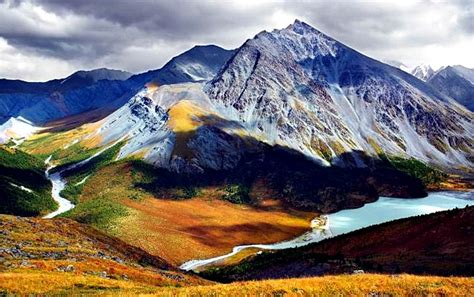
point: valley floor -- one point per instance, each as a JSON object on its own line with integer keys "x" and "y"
{"x": 180, "y": 230}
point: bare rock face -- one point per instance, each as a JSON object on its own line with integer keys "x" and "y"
{"x": 302, "y": 88}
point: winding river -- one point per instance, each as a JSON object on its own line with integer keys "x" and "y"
{"x": 59, "y": 183}
{"x": 383, "y": 210}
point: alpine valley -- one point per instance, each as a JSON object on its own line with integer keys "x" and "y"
{"x": 197, "y": 172}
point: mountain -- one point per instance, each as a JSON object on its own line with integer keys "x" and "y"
{"x": 423, "y": 72}
{"x": 79, "y": 92}
{"x": 85, "y": 78}
{"x": 300, "y": 89}
{"x": 100, "y": 90}
{"x": 434, "y": 244}
{"x": 199, "y": 63}
{"x": 456, "y": 82}
{"x": 398, "y": 64}
{"x": 76, "y": 80}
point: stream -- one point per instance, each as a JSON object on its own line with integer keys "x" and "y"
{"x": 59, "y": 183}
{"x": 383, "y": 210}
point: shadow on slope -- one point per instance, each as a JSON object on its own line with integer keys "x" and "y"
{"x": 292, "y": 177}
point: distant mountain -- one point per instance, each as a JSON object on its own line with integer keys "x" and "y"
{"x": 423, "y": 72}
{"x": 103, "y": 89}
{"x": 456, "y": 82}
{"x": 76, "y": 80}
{"x": 42, "y": 102}
{"x": 197, "y": 64}
{"x": 85, "y": 78}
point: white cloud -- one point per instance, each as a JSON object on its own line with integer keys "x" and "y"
{"x": 16, "y": 65}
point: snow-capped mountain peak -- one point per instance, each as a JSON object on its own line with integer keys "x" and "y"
{"x": 423, "y": 72}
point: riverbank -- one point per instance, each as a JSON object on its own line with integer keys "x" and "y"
{"x": 383, "y": 210}
{"x": 454, "y": 183}
{"x": 319, "y": 230}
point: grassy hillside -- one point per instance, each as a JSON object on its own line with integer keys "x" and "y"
{"x": 76, "y": 177}
{"x": 437, "y": 244}
{"x": 60, "y": 255}
{"x": 24, "y": 189}
{"x": 430, "y": 177}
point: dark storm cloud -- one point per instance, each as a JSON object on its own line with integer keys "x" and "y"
{"x": 139, "y": 35}
{"x": 171, "y": 20}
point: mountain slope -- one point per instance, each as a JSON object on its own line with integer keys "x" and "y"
{"x": 54, "y": 256}
{"x": 436, "y": 244}
{"x": 456, "y": 82}
{"x": 24, "y": 190}
{"x": 63, "y": 257}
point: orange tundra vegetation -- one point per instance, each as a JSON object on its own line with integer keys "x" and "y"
{"x": 340, "y": 285}
{"x": 43, "y": 256}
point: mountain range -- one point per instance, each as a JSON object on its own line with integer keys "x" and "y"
{"x": 455, "y": 81}
{"x": 100, "y": 90}
{"x": 296, "y": 88}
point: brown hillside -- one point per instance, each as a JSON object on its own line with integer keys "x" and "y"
{"x": 437, "y": 244}
{"x": 60, "y": 254}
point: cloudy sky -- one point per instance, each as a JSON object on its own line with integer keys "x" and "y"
{"x": 45, "y": 39}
